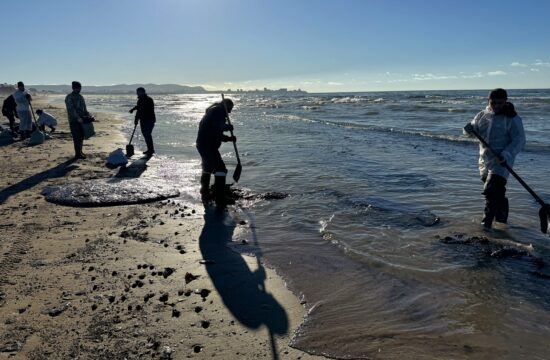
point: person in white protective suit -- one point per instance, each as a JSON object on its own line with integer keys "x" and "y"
{"x": 502, "y": 129}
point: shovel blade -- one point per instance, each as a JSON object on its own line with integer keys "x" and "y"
{"x": 129, "y": 150}
{"x": 544, "y": 216}
{"x": 237, "y": 173}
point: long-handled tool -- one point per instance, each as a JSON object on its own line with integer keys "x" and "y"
{"x": 544, "y": 212}
{"x": 33, "y": 117}
{"x": 239, "y": 168}
{"x": 37, "y": 136}
{"x": 130, "y": 147}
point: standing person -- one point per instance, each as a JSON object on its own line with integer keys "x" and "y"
{"x": 9, "y": 107}
{"x": 502, "y": 128}
{"x": 46, "y": 119}
{"x": 76, "y": 110}
{"x": 23, "y": 100}
{"x": 146, "y": 116}
{"x": 209, "y": 140}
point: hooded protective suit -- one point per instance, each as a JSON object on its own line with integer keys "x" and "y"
{"x": 504, "y": 134}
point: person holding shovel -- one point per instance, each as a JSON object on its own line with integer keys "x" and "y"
{"x": 209, "y": 139}
{"x": 23, "y": 100}
{"x": 145, "y": 115}
{"x": 502, "y": 129}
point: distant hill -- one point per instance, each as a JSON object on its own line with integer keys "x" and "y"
{"x": 6, "y": 89}
{"x": 124, "y": 89}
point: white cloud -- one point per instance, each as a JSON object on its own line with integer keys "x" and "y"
{"x": 518, "y": 64}
{"x": 476, "y": 75}
{"x": 496, "y": 73}
{"x": 332, "y": 83}
{"x": 430, "y": 76}
{"x": 535, "y": 70}
{"x": 397, "y": 81}
{"x": 541, "y": 63}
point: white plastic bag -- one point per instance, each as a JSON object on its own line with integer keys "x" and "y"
{"x": 117, "y": 158}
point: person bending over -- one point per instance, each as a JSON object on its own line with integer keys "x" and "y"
{"x": 209, "y": 139}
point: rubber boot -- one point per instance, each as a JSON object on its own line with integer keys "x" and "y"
{"x": 501, "y": 214}
{"x": 205, "y": 186}
{"x": 488, "y": 215}
{"x": 219, "y": 192}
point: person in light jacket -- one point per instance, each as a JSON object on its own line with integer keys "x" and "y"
{"x": 23, "y": 100}
{"x": 502, "y": 128}
{"x": 45, "y": 119}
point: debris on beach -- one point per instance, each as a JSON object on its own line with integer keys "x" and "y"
{"x": 58, "y": 310}
{"x": 11, "y": 347}
{"x": 108, "y": 192}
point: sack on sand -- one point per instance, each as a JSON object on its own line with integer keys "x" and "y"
{"x": 36, "y": 138}
{"x": 117, "y": 158}
{"x": 5, "y": 136}
{"x": 88, "y": 129}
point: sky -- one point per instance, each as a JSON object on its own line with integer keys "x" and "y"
{"x": 314, "y": 45}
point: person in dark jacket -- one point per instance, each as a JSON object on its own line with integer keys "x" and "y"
{"x": 145, "y": 115}
{"x": 209, "y": 139}
{"x": 76, "y": 111}
{"x": 9, "y": 107}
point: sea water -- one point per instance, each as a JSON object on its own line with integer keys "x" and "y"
{"x": 380, "y": 233}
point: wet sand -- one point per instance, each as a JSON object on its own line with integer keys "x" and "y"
{"x": 153, "y": 280}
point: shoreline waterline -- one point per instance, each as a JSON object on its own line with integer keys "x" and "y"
{"x": 378, "y": 168}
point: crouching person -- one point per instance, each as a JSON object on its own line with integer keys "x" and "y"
{"x": 209, "y": 139}
{"x": 45, "y": 119}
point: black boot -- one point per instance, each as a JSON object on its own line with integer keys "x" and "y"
{"x": 488, "y": 216}
{"x": 220, "y": 195}
{"x": 501, "y": 215}
{"x": 205, "y": 186}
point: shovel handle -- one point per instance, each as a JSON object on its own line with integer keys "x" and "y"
{"x": 520, "y": 180}
{"x": 133, "y": 132}
{"x": 231, "y": 131}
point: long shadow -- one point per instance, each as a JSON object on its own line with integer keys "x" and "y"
{"x": 242, "y": 290}
{"x": 135, "y": 169}
{"x": 58, "y": 171}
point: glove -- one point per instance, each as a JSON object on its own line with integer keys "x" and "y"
{"x": 228, "y": 127}
{"x": 229, "y": 138}
{"x": 504, "y": 157}
{"x": 469, "y": 128}
{"x": 28, "y": 96}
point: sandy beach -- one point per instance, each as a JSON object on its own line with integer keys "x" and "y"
{"x": 153, "y": 280}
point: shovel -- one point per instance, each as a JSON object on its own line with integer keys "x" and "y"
{"x": 239, "y": 168}
{"x": 544, "y": 212}
{"x": 130, "y": 147}
{"x": 37, "y": 137}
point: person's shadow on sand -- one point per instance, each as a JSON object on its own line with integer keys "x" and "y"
{"x": 57, "y": 171}
{"x": 242, "y": 290}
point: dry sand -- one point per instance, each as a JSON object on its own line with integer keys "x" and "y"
{"x": 126, "y": 282}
